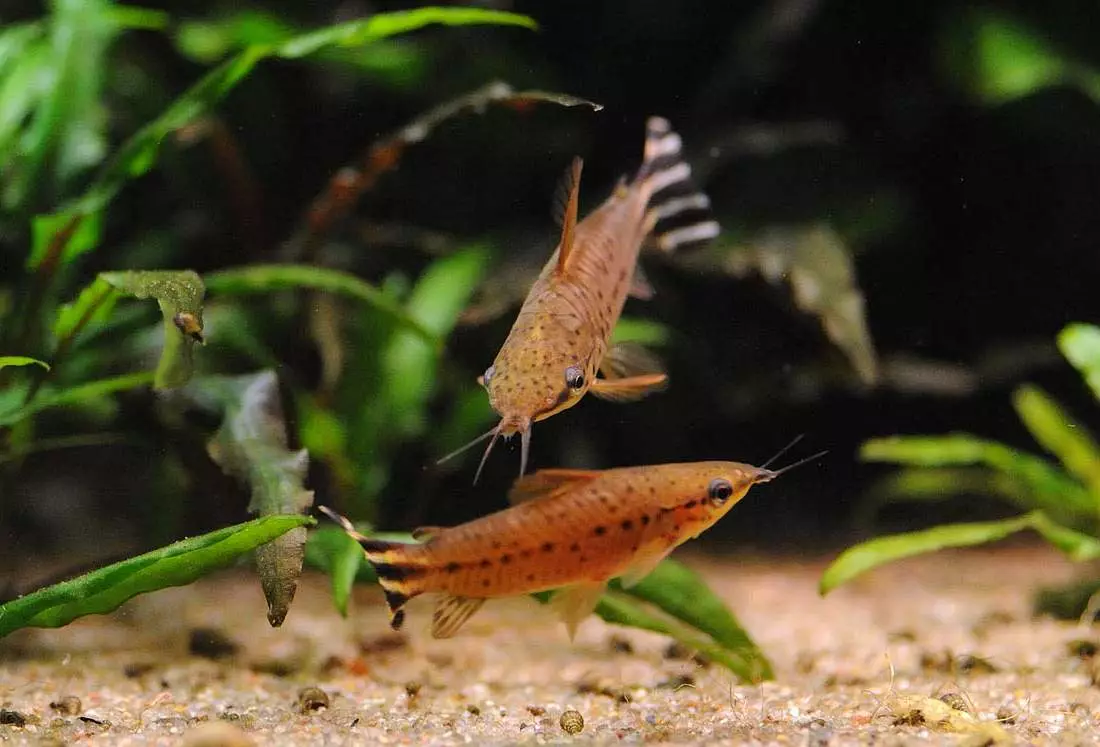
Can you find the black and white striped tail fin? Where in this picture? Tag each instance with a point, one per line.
(396, 575)
(679, 213)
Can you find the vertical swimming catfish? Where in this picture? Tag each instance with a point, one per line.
(561, 336)
(571, 530)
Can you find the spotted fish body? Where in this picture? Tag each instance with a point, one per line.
(560, 338)
(571, 530)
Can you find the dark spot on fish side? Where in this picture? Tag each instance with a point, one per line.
(453, 567)
(525, 553)
(485, 583)
(600, 531)
(645, 520)
(575, 547)
(547, 546)
(690, 504)
(627, 525)
(496, 544)
(530, 577)
(486, 563)
(505, 559)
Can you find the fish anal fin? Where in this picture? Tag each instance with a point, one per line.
(639, 285)
(566, 205)
(576, 602)
(629, 389)
(426, 533)
(451, 613)
(548, 482)
(643, 565)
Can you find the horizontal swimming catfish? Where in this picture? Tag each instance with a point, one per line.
(561, 337)
(571, 530)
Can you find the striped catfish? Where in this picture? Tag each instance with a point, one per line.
(561, 337)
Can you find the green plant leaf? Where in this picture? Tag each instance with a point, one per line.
(409, 365)
(383, 25)
(179, 295)
(641, 331)
(269, 278)
(251, 445)
(75, 395)
(680, 592)
(1057, 432)
(139, 153)
(1075, 545)
(1050, 489)
(1001, 59)
(104, 590)
(1080, 344)
(871, 554)
(21, 360)
(334, 552)
(66, 133)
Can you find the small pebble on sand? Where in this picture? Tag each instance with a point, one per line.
(217, 734)
(12, 718)
(68, 705)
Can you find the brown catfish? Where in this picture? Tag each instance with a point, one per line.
(561, 337)
(571, 530)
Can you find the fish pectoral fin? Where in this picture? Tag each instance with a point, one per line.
(451, 613)
(576, 602)
(548, 482)
(629, 389)
(642, 566)
(639, 285)
(566, 201)
(426, 533)
(628, 359)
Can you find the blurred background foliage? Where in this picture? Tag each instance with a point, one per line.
(907, 194)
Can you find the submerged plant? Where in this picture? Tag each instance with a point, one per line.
(1060, 502)
(73, 346)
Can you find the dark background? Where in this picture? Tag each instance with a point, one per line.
(975, 235)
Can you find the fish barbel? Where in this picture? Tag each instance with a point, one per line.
(560, 338)
(571, 530)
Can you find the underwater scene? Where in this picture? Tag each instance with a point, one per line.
(499, 372)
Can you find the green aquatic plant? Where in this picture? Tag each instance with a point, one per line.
(381, 344)
(1060, 502)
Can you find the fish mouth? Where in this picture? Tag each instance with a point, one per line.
(509, 426)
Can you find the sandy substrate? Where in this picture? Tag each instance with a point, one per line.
(950, 623)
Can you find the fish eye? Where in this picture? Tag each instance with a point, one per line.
(720, 490)
(574, 377)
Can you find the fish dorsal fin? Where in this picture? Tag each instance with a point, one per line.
(565, 208)
(451, 613)
(548, 482)
(576, 602)
(426, 533)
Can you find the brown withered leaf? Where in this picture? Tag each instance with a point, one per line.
(819, 268)
(252, 446)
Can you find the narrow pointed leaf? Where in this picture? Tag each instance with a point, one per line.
(1076, 545)
(75, 395)
(1080, 343)
(271, 278)
(21, 360)
(139, 153)
(871, 554)
(104, 590)
(1060, 434)
(1061, 497)
(680, 592)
